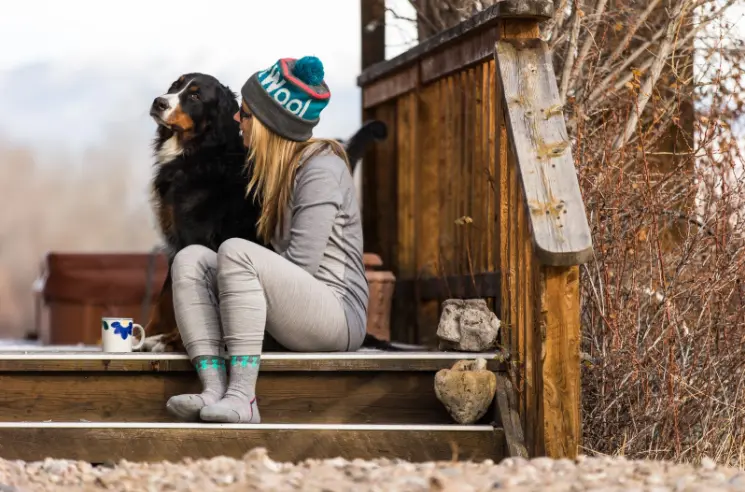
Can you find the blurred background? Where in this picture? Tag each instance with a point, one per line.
(76, 81)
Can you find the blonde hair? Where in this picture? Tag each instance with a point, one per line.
(275, 161)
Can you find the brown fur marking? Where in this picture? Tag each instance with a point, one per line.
(180, 119)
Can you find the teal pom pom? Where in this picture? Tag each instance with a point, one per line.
(309, 69)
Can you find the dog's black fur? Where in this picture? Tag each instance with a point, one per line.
(199, 185)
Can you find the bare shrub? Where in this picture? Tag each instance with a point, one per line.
(651, 89)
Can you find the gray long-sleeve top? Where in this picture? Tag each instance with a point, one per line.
(322, 234)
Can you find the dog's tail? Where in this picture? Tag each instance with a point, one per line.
(373, 342)
(371, 131)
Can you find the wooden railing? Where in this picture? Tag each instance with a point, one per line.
(475, 194)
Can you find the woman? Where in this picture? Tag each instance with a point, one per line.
(311, 292)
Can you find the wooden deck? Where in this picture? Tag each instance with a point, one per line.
(111, 442)
(105, 407)
(356, 388)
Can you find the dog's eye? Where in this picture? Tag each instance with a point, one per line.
(194, 96)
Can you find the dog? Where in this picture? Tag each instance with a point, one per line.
(199, 184)
(200, 180)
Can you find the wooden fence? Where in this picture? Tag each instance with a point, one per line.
(475, 194)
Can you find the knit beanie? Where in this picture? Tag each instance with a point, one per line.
(288, 97)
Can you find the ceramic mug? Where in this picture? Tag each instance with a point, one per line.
(116, 335)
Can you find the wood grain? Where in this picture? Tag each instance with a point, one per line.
(428, 210)
(283, 397)
(510, 418)
(538, 138)
(560, 375)
(105, 445)
(460, 56)
(379, 196)
(274, 362)
(390, 88)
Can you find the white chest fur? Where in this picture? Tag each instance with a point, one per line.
(169, 151)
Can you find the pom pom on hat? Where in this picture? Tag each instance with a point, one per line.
(309, 69)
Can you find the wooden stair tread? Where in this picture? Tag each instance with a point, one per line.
(355, 388)
(56, 361)
(111, 442)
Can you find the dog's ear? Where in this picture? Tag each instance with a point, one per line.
(229, 92)
(227, 106)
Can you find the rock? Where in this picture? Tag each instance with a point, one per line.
(708, 464)
(467, 389)
(468, 326)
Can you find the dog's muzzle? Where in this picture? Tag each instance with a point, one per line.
(159, 106)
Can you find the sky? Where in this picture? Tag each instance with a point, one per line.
(77, 73)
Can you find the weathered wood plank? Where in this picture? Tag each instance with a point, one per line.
(560, 375)
(389, 88)
(407, 146)
(401, 397)
(457, 57)
(479, 200)
(448, 174)
(270, 362)
(490, 121)
(489, 17)
(510, 418)
(466, 188)
(108, 443)
(538, 137)
(428, 208)
(379, 196)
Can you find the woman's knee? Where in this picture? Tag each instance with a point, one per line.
(237, 252)
(191, 262)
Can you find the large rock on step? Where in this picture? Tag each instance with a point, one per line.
(467, 326)
(466, 389)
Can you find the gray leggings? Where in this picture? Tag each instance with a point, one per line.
(243, 289)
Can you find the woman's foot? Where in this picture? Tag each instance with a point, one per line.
(211, 371)
(232, 409)
(239, 403)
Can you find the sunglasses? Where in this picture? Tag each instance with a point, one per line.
(244, 114)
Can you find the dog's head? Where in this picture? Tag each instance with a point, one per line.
(196, 109)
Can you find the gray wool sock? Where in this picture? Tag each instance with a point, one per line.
(239, 403)
(211, 371)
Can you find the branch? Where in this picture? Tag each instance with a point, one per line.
(599, 9)
(556, 21)
(421, 17)
(630, 34)
(569, 59)
(599, 91)
(656, 70)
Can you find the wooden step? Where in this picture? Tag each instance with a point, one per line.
(112, 441)
(353, 388)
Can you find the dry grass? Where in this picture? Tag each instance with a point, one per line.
(664, 300)
(97, 205)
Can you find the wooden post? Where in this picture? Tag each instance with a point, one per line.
(372, 31)
(548, 348)
(372, 37)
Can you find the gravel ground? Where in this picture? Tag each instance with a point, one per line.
(256, 471)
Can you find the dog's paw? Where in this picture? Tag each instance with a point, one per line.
(154, 343)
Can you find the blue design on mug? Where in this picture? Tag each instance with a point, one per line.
(122, 331)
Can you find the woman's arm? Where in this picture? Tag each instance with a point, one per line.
(316, 203)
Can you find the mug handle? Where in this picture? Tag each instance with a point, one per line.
(142, 336)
